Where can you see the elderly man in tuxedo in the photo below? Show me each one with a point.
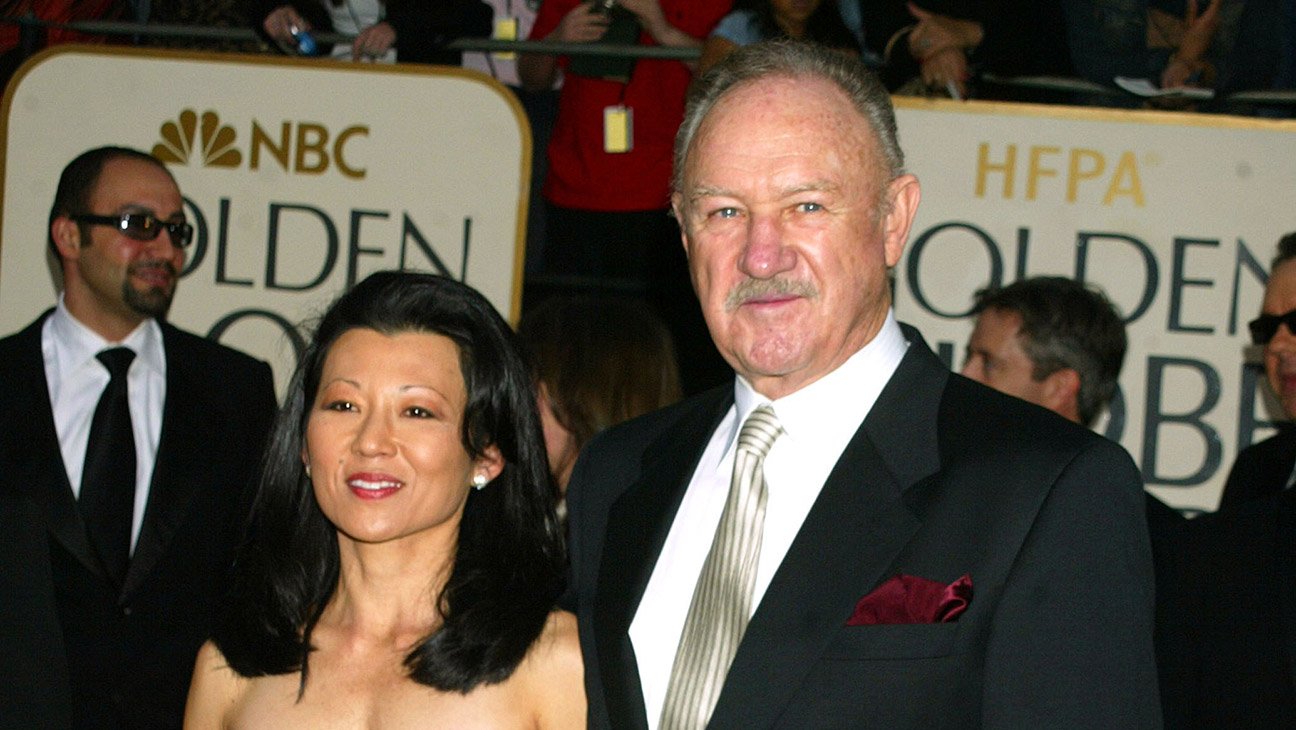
(849, 535)
(127, 453)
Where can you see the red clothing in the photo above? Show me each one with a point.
(583, 176)
(59, 11)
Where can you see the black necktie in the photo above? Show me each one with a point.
(108, 480)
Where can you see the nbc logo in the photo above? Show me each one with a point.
(217, 141)
(305, 148)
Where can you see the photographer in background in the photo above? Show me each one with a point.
(606, 192)
(409, 31)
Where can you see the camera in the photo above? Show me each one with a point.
(304, 41)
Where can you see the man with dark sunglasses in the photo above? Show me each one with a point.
(127, 453)
(1231, 639)
(1267, 468)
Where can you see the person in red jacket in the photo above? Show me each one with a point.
(607, 188)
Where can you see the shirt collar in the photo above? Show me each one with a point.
(78, 344)
(836, 403)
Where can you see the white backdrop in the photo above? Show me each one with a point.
(301, 176)
(1174, 216)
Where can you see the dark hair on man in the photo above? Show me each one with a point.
(796, 60)
(509, 563)
(80, 179)
(1066, 325)
(602, 361)
(1286, 250)
(824, 25)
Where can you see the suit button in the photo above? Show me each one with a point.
(127, 610)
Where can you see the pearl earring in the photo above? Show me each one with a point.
(308, 471)
(479, 481)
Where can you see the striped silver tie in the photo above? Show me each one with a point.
(721, 605)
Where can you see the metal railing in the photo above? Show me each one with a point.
(30, 28)
(34, 25)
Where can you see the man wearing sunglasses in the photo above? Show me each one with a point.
(127, 453)
(1233, 637)
(1266, 468)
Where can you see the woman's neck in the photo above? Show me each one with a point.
(389, 591)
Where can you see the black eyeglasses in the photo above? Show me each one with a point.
(1264, 327)
(142, 226)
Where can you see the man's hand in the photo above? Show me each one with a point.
(945, 69)
(1188, 61)
(654, 21)
(282, 21)
(935, 33)
(583, 24)
(373, 42)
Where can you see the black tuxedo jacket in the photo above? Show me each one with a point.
(1261, 469)
(1232, 636)
(75, 651)
(944, 477)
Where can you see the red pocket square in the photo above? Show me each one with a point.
(909, 599)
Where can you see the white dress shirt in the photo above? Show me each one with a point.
(818, 421)
(352, 16)
(76, 380)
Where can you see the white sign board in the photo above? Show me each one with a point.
(1174, 216)
(301, 176)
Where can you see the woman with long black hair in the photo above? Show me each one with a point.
(403, 556)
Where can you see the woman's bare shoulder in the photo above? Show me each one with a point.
(559, 643)
(214, 691)
(556, 674)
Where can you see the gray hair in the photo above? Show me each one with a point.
(797, 60)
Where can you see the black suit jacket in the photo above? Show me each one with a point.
(1232, 636)
(944, 477)
(102, 657)
(1261, 469)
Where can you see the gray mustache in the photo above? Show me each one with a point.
(748, 289)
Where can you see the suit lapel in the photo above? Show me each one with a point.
(857, 527)
(638, 524)
(175, 479)
(43, 478)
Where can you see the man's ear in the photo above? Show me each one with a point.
(67, 237)
(1062, 393)
(903, 195)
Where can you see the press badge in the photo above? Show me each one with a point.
(618, 129)
(506, 29)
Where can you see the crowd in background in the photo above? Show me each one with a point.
(933, 46)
